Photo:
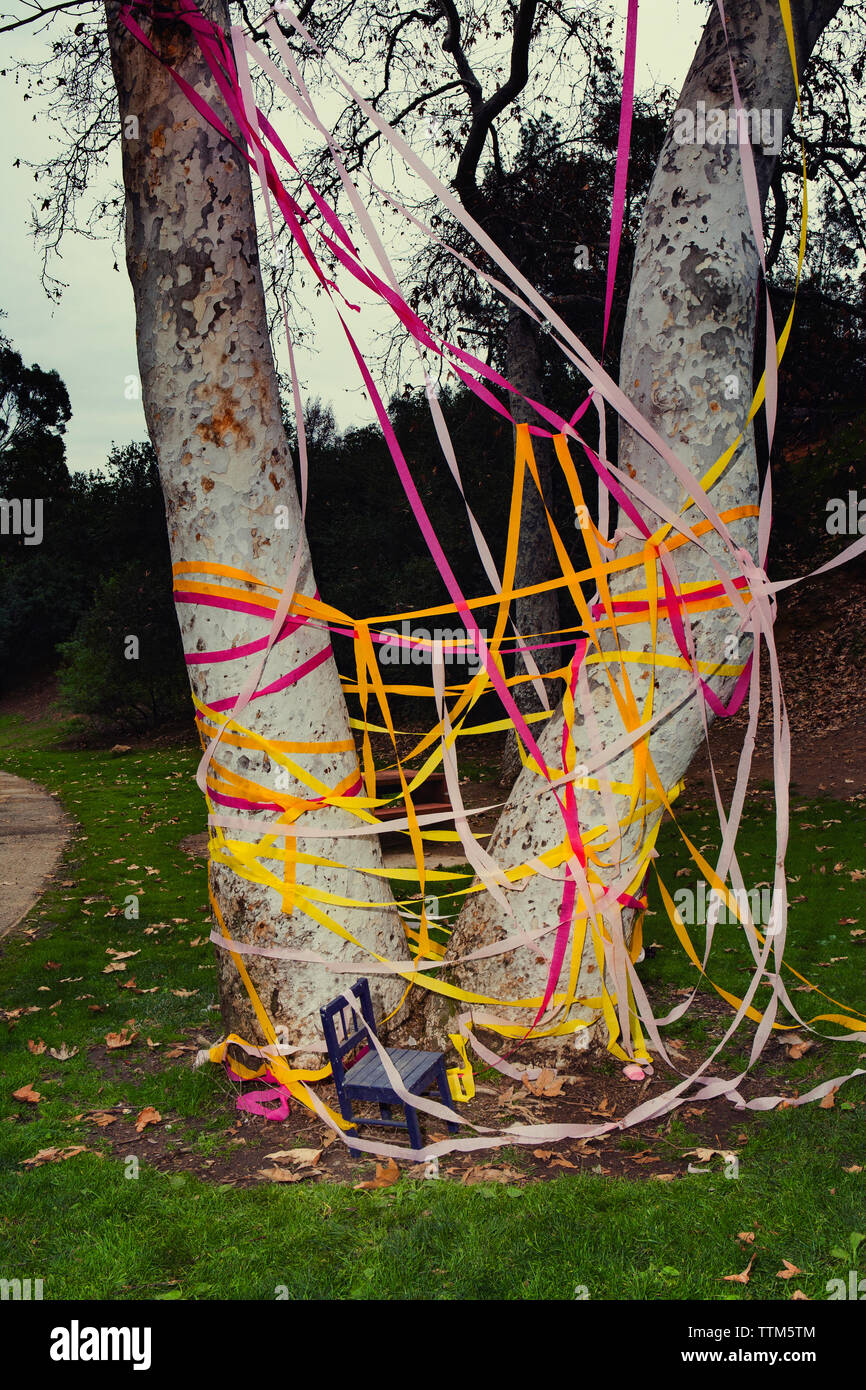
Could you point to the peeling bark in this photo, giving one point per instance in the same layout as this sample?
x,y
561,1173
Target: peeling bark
x,y
690,325
213,414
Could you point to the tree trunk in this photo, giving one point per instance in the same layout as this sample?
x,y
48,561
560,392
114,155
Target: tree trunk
x,y
689,330
536,558
213,414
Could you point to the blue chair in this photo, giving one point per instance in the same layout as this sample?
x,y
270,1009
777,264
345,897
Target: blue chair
x,y
364,1078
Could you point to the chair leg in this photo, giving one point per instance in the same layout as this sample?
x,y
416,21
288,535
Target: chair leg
x,y
413,1126
445,1093
347,1114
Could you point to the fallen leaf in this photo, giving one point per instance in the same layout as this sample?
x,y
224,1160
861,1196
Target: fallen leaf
x,y
305,1157
829,1100
121,1039
789,1271
37,1048
798,1293
54,1156
63,1052
102,1118
148,1116
855,1168
747,1237
184,993
799,1050
121,955
742,1277
386,1174
114,965
27,1093
547,1083
276,1174
657,1177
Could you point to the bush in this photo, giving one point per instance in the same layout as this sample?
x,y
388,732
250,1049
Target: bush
x,y
124,665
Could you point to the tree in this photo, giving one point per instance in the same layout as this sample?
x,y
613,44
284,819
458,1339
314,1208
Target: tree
x,y
213,414
690,326
212,406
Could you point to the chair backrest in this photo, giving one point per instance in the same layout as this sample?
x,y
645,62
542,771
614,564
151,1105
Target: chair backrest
x,y
345,1030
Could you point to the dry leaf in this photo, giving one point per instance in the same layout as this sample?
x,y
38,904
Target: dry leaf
x,y
54,1156
27,1093
114,965
657,1177
747,1237
789,1271
829,1100
184,993
102,1118
37,1048
121,1039
798,1293
547,1083
148,1116
743,1277
855,1168
121,955
704,1155
386,1174
63,1052
276,1174
545,1154
306,1157
799,1050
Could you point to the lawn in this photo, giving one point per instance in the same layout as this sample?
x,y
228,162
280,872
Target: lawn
x,y
113,1227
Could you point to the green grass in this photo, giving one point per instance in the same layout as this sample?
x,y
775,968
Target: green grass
x,y
88,1230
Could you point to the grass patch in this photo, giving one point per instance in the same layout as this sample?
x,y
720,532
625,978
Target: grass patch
x,y
89,1229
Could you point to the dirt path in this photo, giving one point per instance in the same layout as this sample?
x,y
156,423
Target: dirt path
x,y
33,832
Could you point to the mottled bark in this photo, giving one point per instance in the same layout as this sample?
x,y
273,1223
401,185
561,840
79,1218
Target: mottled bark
x,y
213,414
689,330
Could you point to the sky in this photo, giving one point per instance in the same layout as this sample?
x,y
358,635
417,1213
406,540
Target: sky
x,y
89,337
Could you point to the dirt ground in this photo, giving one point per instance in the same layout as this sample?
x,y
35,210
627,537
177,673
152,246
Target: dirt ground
x,y
588,1087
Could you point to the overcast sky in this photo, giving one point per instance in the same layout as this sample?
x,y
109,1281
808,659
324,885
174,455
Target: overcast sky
x,y
90,336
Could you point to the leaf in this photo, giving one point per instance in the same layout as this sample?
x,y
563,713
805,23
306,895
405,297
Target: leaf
x,y
855,1168
276,1174
307,1158
121,1039
114,965
54,1156
121,955
147,1116
747,1237
547,1083
798,1293
37,1048
63,1052
27,1093
386,1175
743,1276
704,1155
184,993
829,1100
545,1154
102,1118
789,1271
799,1050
